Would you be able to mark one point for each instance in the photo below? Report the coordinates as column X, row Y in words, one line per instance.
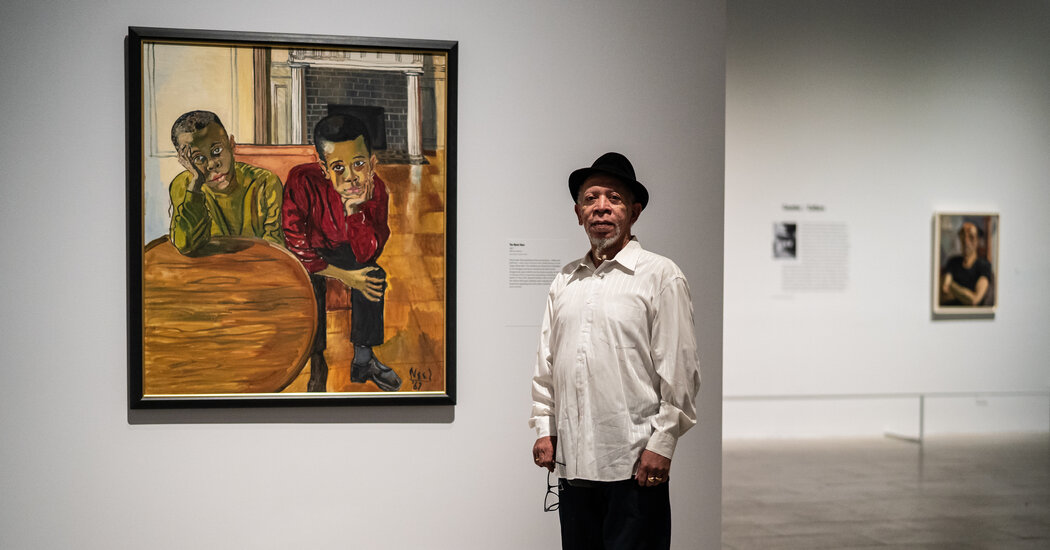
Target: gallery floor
column 958, row 492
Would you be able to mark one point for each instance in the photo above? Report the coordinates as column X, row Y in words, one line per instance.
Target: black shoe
column 318, row 374
column 382, row 375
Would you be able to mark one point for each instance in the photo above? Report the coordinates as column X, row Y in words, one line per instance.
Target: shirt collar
column 626, row 257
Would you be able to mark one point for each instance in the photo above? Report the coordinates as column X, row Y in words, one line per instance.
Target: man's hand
column 652, row 469
column 360, row 279
column 197, row 174
column 543, row 452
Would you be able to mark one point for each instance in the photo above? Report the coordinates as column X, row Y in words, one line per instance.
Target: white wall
column 544, row 88
column 885, row 112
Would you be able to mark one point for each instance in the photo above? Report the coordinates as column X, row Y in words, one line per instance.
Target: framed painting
column 965, row 264
column 291, row 219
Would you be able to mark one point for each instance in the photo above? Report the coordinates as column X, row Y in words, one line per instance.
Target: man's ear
column 636, row 210
column 579, row 214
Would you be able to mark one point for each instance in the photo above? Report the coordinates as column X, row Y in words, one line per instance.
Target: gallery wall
column 544, row 88
column 858, row 120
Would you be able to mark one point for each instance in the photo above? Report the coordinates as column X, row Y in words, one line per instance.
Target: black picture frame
column 172, row 324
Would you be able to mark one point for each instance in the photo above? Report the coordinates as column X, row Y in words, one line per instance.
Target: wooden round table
column 237, row 317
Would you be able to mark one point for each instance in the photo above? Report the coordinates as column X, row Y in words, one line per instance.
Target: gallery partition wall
column 850, row 127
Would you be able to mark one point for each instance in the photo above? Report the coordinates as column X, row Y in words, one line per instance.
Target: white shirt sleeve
column 542, row 419
column 677, row 366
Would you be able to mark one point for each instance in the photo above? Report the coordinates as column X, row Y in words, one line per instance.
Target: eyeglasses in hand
column 550, row 500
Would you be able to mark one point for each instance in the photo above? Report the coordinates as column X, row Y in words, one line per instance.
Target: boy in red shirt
column 335, row 222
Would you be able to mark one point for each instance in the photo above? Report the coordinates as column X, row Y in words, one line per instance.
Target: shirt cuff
column 358, row 218
column 313, row 266
column 662, row 444
column 544, row 426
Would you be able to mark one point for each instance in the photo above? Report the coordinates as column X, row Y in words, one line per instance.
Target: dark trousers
column 366, row 316
column 615, row 515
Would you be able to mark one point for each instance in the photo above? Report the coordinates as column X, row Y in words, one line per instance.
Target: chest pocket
column 623, row 321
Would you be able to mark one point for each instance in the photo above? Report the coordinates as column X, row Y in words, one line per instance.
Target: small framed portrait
column 965, row 263
column 784, row 243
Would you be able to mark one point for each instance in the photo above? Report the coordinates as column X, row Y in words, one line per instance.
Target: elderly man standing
column 616, row 374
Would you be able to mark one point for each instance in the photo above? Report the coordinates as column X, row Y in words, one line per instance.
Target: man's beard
column 599, row 245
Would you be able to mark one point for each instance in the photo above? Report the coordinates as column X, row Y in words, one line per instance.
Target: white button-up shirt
column 617, row 369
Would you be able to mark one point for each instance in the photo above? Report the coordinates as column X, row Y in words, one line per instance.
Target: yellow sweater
column 251, row 209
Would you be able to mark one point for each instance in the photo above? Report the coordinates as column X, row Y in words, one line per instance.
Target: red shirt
column 314, row 218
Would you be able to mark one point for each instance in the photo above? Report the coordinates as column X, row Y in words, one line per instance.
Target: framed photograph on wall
column 291, row 219
column 965, row 264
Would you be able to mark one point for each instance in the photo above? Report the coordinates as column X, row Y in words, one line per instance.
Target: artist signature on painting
column 419, row 377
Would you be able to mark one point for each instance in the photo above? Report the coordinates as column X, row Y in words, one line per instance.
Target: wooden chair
column 279, row 159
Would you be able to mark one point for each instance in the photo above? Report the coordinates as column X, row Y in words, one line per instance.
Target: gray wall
column 75, row 473
column 885, row 112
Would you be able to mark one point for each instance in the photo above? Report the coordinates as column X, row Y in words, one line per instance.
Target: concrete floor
column 957, row 492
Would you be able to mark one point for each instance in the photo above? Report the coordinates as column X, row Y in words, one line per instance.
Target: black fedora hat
column 613, row 164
